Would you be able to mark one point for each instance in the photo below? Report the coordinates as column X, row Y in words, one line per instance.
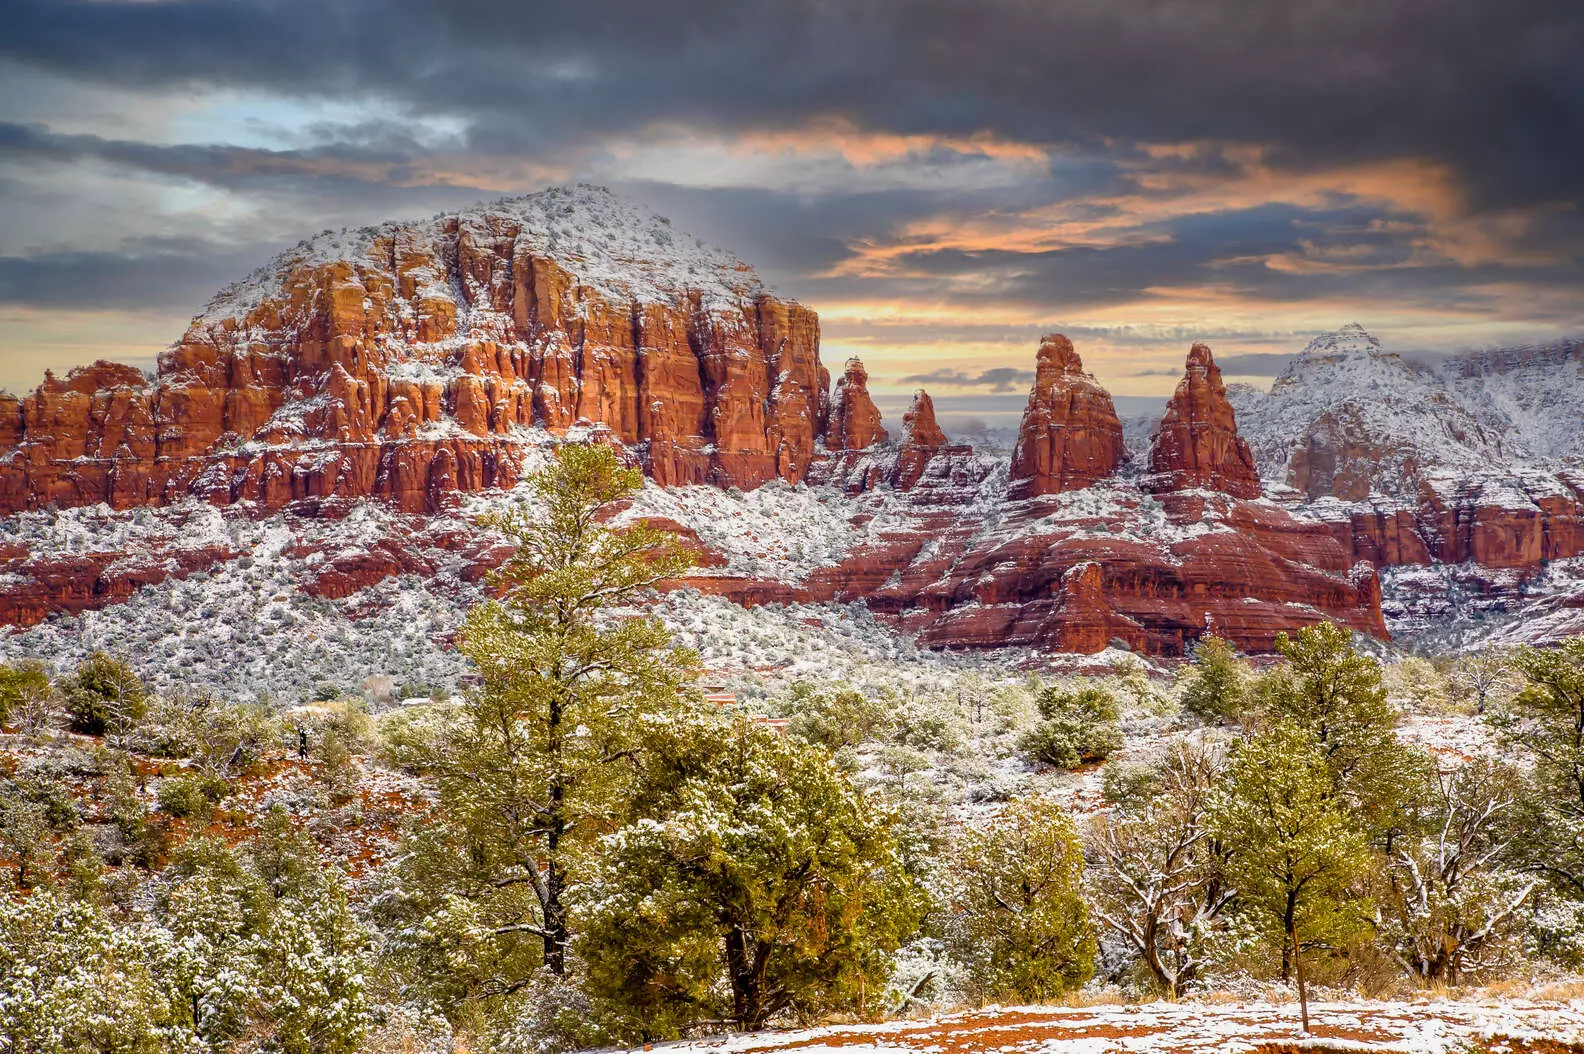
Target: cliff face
column 854, row 418
column 1196, row 444
column 408, row 361
column 1070, row 436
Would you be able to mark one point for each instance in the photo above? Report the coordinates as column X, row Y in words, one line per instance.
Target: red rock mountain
column 1196, row 443
column 410, row 360
column 854, row 418
column 1070, row 436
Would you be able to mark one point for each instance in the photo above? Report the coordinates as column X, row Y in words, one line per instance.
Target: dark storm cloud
column 1494, row 91
column 999, row 379
column 162, row 275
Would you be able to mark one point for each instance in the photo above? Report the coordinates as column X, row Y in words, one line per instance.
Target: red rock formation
column 1196, row 445
column 1070, row 436
column 854, row 418
column 404, row 361
column 922, row 439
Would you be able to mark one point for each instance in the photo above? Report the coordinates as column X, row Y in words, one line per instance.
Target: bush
column 836, row 717
column 1023, row 927
column 190, row 795
column 22, row 685
column 1077, row 727
column 1215, row 684
column 105, row 696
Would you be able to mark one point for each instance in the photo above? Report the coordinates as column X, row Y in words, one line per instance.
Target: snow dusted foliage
column 245, row 627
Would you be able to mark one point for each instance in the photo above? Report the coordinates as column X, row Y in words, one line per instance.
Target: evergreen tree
column 24, row 686
column 1545, row 720
column 753, row 879
column 104, row 696
column 1077, row 726
column 535, row 767
column 1215, row 684
column 1296, row 856
column 1332, row 691
column 1021, row 922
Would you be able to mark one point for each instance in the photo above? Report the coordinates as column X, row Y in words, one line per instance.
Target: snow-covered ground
column 1422, row 1027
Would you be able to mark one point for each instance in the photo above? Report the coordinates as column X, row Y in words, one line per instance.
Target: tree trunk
column 1303, row 990
column 555, row 924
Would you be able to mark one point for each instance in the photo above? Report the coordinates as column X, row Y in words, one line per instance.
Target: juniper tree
column 534, row 768
column 1215, row 684
column 1077, row 726
column 753, row 878
column 1295, row 854
column 1021, row 921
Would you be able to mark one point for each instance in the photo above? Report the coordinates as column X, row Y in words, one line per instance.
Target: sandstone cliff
column 1196, row 444
column 854, row 418
column 1070, row 436
column 410, row 360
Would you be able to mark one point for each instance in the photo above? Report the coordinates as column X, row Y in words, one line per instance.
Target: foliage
column 1334, row 693
column 24, row 687
column 1157, row 875
column 104, row 696
column 190, row 795
column 753, row 878
column 1214, row 685
column 1295, row 856
column 1020, row 918
column 1077, row 726
column 1545, row 720
column 835, row 717
column 533, row 768
column 71, row 980
column 1452, row 906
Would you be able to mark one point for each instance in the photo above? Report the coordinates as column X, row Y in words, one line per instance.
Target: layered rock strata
column 408, row 361
column 1196, row 444
column 854, row 418
column 1070, row 436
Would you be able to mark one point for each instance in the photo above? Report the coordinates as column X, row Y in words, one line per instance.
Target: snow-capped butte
column 1349, row 418
column 608, row 243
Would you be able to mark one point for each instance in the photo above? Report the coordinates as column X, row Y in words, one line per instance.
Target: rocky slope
column 411, row 360
column 317, row 447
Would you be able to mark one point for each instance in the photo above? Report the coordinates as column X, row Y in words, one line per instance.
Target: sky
column 942, row 180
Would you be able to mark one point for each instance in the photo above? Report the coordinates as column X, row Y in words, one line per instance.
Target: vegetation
column 1078, row 726
column 579, row 851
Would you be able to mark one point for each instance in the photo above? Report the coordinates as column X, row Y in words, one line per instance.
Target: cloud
column 998, row 379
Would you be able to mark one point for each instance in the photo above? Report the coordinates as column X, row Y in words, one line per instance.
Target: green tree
column 752, row 878
column 104, row 696
column 1215, row 684
column 1296, row 856
column 1077, row 726
column 71, row 981
column 1021, row 922
column 834, row 717
column 1329, row 689
column 1157, row 875
column 536, row 765
column 1545, row 720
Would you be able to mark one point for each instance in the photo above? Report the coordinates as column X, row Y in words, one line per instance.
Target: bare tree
column 1156, row 870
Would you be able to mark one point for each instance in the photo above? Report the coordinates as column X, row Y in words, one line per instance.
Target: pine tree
column 752, row 878
column 1295, row 854
column 105, row 697
column 1215, row 684
column 1022, row 924
column 536, row 765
